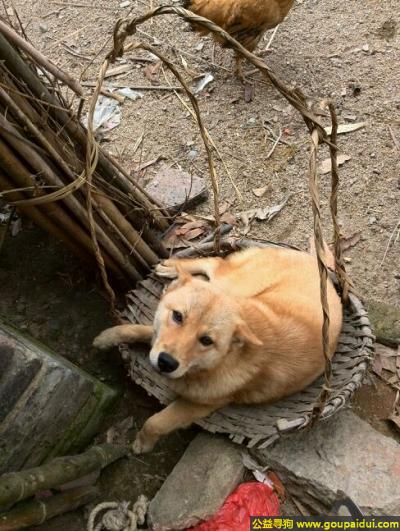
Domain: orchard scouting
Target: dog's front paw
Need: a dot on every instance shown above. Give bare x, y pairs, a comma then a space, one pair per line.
142, 444
106, 340
167, 269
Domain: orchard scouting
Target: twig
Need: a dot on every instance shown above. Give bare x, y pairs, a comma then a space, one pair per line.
397, 227
135, 87
40, 58
270, 152
271, 39
87, 6
113, 95
69, 50
395, 141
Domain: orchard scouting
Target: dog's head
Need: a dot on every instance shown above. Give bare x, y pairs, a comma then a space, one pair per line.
196, 325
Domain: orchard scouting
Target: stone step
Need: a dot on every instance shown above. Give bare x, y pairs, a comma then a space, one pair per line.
48, 406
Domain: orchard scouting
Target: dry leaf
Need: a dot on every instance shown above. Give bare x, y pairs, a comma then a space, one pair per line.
278, 485
121, 69
264, 214
193, 234
194, 224
346, 242
389, 364
325, 166
377, 365
346, 128
351, 241
259, 192
228, 218
387, 352
180, 236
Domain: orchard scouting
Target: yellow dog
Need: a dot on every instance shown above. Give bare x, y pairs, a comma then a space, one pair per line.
249, 332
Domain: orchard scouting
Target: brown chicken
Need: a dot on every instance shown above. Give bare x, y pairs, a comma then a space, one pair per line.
245, 20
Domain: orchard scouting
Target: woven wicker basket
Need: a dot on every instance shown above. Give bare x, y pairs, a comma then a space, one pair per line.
258, 425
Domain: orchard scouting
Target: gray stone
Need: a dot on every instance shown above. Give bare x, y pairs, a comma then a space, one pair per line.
48, 406
342, 453
385, 319
176, 189
207, 473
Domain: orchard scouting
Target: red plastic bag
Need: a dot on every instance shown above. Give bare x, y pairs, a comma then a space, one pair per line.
249, 499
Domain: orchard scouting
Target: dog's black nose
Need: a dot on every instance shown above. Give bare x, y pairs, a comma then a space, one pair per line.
166, 363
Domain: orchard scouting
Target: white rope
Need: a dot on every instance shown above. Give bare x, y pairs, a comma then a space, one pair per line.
118, 516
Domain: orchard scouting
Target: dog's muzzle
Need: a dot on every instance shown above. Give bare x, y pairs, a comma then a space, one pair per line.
167, 363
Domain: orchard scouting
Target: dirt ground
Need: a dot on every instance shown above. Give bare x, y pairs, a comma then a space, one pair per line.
342, 50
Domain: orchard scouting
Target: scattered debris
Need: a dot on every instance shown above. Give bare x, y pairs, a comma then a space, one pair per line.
386, 365
326, 165
117, 70
259, 192
152, 72
126, 3
260, 214
395, 141
181, 235
205, 80
107, 115
129, 93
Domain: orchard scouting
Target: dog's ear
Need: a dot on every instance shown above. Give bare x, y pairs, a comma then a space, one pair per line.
243, 335
182, 278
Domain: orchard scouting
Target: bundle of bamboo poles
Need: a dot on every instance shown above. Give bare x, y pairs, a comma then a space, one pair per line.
42, 168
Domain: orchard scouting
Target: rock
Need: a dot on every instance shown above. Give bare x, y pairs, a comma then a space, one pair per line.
342, 453
208, 472
385, 319
176, 189
48, 406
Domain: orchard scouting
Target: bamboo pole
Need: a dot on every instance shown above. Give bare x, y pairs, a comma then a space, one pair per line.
35, 512
138, 246
18, 486
21, 177
17, 66
45, 171
135, 243
44, 222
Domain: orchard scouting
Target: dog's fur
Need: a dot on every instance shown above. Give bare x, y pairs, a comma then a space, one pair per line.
262, 310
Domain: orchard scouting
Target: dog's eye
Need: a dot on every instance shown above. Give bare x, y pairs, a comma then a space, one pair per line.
177, 317
206, 341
